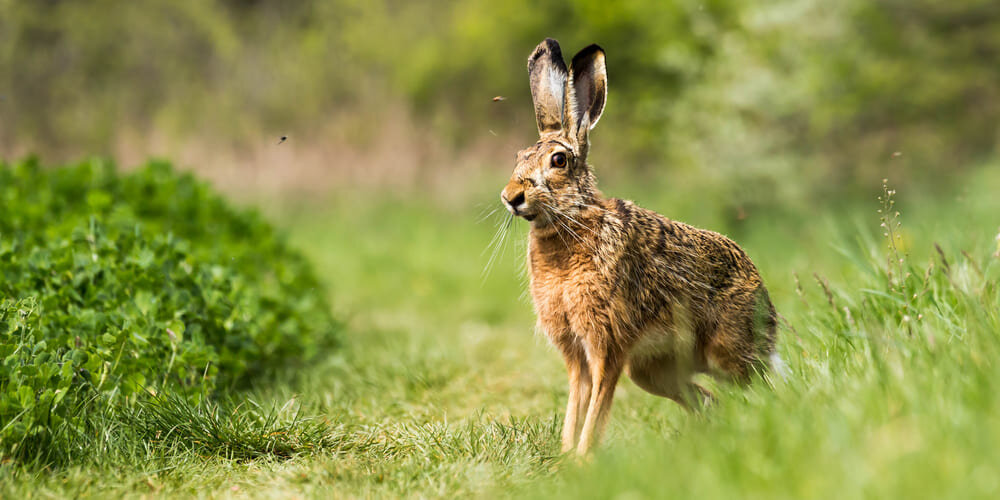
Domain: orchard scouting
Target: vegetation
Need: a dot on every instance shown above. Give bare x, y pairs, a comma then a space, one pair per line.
444, 390
154, 340
119, 286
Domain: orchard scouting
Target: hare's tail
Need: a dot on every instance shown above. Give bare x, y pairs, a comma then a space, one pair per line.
778, 365
766, 332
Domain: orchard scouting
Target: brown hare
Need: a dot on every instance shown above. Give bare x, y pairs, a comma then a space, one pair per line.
618, 288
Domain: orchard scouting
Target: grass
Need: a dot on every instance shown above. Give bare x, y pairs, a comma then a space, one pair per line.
443, 389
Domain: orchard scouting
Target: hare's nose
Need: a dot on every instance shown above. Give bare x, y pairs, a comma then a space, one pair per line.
515, 201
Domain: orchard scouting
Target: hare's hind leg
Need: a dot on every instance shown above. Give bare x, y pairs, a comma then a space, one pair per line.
579, 396
665, 377
743, 340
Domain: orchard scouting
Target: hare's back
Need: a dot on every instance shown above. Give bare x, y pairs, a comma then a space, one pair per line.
701, 259
666, 261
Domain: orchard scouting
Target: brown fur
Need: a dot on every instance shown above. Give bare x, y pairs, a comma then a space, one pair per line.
618, 288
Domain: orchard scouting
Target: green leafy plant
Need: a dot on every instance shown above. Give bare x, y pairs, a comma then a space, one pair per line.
117, 286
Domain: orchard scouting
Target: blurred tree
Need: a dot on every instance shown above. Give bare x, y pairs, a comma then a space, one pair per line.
775, 99
813, 98
78, 72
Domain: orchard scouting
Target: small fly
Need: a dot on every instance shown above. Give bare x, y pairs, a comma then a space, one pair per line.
499, 98
282, 140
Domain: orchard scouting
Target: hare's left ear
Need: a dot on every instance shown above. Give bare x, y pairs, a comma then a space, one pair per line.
547, 75
589, 77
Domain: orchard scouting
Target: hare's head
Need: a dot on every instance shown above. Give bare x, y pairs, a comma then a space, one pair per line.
552, 177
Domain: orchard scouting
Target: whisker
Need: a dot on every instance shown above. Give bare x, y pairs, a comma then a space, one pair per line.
496, 243
496, 235
489, 214
503, 241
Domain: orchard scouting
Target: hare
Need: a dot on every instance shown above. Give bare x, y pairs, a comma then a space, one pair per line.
618, 288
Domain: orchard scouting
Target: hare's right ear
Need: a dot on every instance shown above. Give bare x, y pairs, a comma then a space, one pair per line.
590, 89
547, 74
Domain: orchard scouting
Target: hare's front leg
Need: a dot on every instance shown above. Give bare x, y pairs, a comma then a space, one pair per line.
604, 373
579, 395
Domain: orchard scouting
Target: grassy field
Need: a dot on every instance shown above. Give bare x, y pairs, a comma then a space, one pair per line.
444, 389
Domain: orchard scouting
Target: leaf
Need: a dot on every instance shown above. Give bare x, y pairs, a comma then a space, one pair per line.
26, 397
98, 200
145, 258
175, 331
60, 394
145, 301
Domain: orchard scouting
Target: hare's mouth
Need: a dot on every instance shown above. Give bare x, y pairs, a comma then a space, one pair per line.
529, 217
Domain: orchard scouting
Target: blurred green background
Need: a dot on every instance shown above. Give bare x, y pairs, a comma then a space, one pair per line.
754, 104
774, 122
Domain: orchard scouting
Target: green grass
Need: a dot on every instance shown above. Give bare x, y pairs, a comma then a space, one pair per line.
443, 389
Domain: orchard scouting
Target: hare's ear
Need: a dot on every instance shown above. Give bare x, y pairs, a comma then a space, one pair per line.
590, 88
547, 74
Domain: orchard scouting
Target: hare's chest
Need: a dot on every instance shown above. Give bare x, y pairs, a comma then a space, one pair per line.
567, 300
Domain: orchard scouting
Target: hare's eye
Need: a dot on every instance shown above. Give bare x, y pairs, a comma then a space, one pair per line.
558, 160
